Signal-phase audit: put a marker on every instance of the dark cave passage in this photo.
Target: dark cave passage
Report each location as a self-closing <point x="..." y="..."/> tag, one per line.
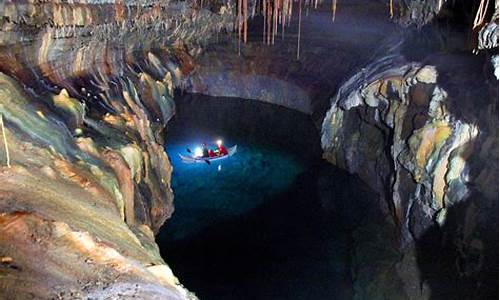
<point x="263" y="234"/>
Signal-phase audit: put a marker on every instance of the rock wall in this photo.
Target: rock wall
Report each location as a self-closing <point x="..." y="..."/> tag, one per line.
<point x="85" y="92"/>
<point x="424" y="136"/>
<point x="419" y="13"/>
<point x="419" y="124"/>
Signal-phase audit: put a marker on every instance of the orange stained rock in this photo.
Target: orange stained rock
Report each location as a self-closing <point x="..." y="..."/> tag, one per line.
<point x="439" y="183"/>
<point x="187" y="63"/>
<point x="120" y="11"/>
<point x="117" y="121"/>
<point x="124" y="175"/>
<point x="129" y="119"/>
<point x="58" y="14"/>
<point x="30" y="233"/>
<point x="100" y="253"/>
<point x="431" y="139"/>
<point x="71" y="173"/>
<point x="49" y="172"/>
<point x="10" y="222"/>
<point x="6" y="259"/>
<point x="87" y="145"/>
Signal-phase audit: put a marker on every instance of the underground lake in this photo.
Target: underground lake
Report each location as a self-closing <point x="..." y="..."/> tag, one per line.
<point x="272" y="221"/>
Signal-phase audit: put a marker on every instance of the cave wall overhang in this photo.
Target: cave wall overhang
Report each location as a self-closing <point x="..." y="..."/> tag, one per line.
<point x="425" y="138"/>
<point x="411" y="132"/>
<point x="86" y="90"/>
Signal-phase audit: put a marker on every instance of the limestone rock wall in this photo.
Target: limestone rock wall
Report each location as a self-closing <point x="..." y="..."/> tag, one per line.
<point x="419" y="13"/>
<point x="423" y="133"/>
<point x="85" y="92"/>
<point x="425" y="137"/>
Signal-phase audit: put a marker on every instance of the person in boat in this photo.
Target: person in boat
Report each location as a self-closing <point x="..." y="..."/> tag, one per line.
<point x="204" y="148"/>
<point x="221" y="150"/>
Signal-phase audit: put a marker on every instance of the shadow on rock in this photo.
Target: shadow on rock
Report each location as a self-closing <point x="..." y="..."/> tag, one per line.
<point x="459" y="260"/>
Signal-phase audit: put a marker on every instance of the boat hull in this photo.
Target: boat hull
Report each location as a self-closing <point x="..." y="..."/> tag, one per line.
<point x="192" y="160"/>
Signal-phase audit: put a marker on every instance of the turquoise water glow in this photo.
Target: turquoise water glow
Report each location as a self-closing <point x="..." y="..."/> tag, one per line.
<point x="225" y="188"/>
<point x="260" y="224"/>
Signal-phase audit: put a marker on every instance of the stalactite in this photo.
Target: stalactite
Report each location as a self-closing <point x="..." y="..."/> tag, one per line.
<point x="278" y="8"/>
<point x="284" y="9"/>
<point x="298" y="35"/>
<point x="275" y="20"/>
<point x="290" y="11"/>
<point x="240" y="4"/>
<point x="334" y="9"/>
<point x="278" y="13"/>
<point x="275" y="13"/>
<point x="391" y="8"/>
<point x="245" y="20"/>
<point x="269" y="22"/>
<point x="264" y="12"/>
<point x="481" y="14"/>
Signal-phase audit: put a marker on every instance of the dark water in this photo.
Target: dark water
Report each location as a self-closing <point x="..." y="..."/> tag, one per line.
<point x="253" y="226"/>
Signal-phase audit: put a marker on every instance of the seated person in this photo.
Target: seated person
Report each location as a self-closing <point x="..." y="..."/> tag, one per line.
<point x="221" y="150"/>
<point x="205" y="150"/>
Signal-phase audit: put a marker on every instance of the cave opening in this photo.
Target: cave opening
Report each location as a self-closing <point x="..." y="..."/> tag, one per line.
<point x="266" y="222"/>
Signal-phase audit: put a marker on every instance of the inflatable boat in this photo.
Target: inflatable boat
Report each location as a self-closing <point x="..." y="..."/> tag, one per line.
<point x="191" y="159"/>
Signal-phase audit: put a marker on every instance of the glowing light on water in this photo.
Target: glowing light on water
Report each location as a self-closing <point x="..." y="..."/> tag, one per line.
<point x="198" y="152"/>
<point x="218" y="186"/>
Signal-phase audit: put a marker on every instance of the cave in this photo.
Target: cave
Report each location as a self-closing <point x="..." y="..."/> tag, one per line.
<point x="359" y="158"/>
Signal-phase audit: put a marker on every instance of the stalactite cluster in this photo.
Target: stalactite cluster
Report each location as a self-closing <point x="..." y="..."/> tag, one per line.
<point x="481" y="14"/>
<point x="276" y="13"/>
